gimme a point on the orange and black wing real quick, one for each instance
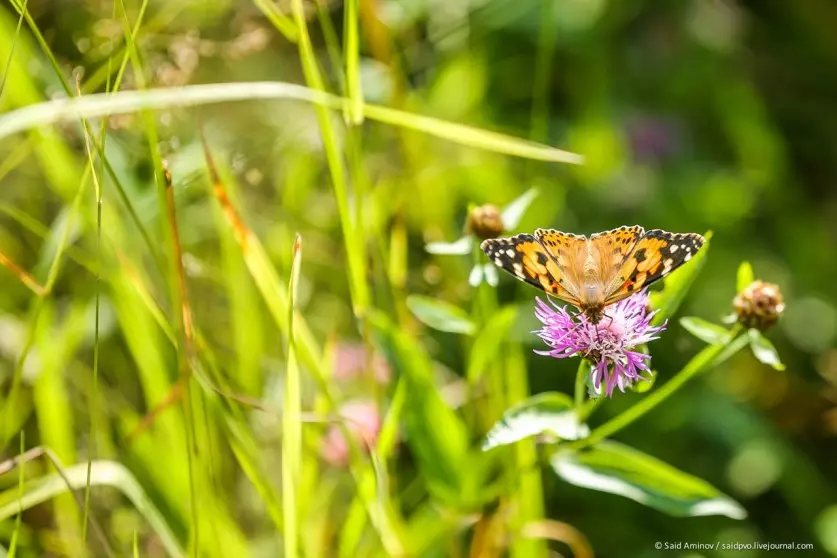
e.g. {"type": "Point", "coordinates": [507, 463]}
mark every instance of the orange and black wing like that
{"type": "Point", "coordinates": [527, 259]}
{"type": "Point", "coordinates": [610, 250]}
{"type": "Point", "coordinates": [654, 256]}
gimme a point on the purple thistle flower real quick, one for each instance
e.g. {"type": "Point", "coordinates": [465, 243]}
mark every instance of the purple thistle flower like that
{"type": "Point", "coordinates": [608, 344]}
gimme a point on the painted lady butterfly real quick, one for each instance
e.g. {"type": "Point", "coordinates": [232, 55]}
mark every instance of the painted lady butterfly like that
{"type": "Point", "coordinates": [592, 273]}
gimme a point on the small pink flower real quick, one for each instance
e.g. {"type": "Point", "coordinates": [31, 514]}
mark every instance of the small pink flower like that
{"type": "Point", "coordinates": [608, 344]}
{"type": "Point", "coordinates": [362, 420]}
{"type": "Point", "coordinates": [350, 360]}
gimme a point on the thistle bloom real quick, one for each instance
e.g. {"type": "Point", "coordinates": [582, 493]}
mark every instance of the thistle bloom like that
{"type": "Point", "coordinates": [608, 345]}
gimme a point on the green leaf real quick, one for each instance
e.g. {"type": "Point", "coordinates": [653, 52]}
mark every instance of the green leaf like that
{"type": "Point", "coordinates": [513, 212]}
{"type": "Point", "coordinates": [619, 469]}
{"type": "Point", "coordinates": [435, 434]}
{"type": "Point", "coordinates": [764, 350]}
{"type": "Point", "coordinates": [440, 315]}
{"type": "Point", "coordinates": [488, 342]}
{"type": "Point", "coordinates": [736, 345]}
{"type": "Point", "coordinates": [745, 276]}
{"type": "Point", "coordinates": [459, 247]}
{"type": "Point", "coordinates": [677, 284]}
{"type": "Point", "coordinates": [545, 413]}
{"type": "Point", "coordinates": [705, 331]}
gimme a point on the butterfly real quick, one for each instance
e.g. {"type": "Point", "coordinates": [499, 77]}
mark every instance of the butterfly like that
{"type": "Point", "coordinates": [593, 273]}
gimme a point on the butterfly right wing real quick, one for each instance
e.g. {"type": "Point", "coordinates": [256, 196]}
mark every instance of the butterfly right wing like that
{"type": "Point", "coordinates": [527, 259]}
{"type": "Point", "coordinates": [653, 257]}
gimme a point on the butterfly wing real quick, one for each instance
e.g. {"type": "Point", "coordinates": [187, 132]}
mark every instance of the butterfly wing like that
{"type": "Point", "coordinates": [653, 257]}
{"type": "Point", "coordinates": [570, 254]}
{"type": "Point", "coordinates": [527, 259]}
{"type": "Point", "coordinates": [610, 250]}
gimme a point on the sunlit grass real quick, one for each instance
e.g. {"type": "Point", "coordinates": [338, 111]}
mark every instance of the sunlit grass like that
{"type": "Point", "coordinates": [180, 359]}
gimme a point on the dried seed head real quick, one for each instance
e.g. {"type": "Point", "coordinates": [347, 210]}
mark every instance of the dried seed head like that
{"type": "Point", "coordinates": [485, 222]}
{"type": "Point", "coordinates": [759, 305]}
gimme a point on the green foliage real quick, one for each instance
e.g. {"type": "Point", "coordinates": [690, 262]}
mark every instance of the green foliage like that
{"type": "Point", "coordinates": [158, 338]}
{"type": "Point", "coordinates": [547, 413]}
{"type": "Point", "coordinates": [619, 469]}
{"type": "Point", "coordinates": [744, 277]}
{"type": "Point", "coordinates": [764, 350]}
{"type": "Point", "coordinates": [440, 315]}
{"type": "Point", "coordinates": [705, 331]}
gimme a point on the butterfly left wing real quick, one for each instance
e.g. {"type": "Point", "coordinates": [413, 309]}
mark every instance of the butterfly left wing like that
{"type": "Point", "coordinates": [654, 256]}
{"type": "Point", "coordinates": [610, 250]}
{"type": "Point", "coordinates": [527, 259]}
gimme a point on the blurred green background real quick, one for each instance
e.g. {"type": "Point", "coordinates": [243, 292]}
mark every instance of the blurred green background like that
{"type": "Point", "coordinates": [692, 116]}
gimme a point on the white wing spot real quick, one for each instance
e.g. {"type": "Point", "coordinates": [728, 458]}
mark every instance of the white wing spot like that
{"type": "Point", "coordinates": [518, 269]}
{"type": "Point", "coordinates": [510, 253]}
{"type": "Point", "coordinates": [673, 248]}
{"type": "Point", "coordinates": [498, 261]}
{"type": "Point", "coordinates": [688, 257]}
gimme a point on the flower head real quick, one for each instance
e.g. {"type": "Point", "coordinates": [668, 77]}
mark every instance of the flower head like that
{"type": "Point", "coordinates": [608, 345]}
{"type": "Point", "coordinates": [485, 221]}
{"type": "Point", "coordinates": [759, 305]}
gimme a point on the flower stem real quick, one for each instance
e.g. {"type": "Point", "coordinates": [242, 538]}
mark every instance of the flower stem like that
{"type": "Point", "coordinates": [698, 364]}
{"type": "Point", "coordinates": [589, 406]}
{"type": "Point", "coordinates": [580, 383]}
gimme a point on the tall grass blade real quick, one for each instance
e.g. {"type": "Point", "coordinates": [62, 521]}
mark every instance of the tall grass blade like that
{"type": "Point", "coordinates": [12, 48]}
{"type": "Point", "coordinates": [354, 109]}
{"type": "Point", "coordinates": [92, 106]}
{"type": "Point", "coordinates": [105, 473]}
{"type": "Point", "coordinates": [291, 425]}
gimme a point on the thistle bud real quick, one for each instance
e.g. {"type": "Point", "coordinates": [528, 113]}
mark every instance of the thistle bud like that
{"type": "Point", "coordinates": [759, 305]}
{"type": "Point", "coordinates": [485, 222]}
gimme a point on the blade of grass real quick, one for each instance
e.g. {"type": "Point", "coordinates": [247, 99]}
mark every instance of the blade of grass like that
{"type": "Point", "coordinates": [528, 496]}
{"type": "Point", "coordinates": [57, 343]}
{"type": "Point", "coordinates": [105, 473]}
{"type": "Point", "coordinates": [280, 21]}
{"type": "Point", "coordinates": [267, 279]}
{"type": "Point", "coordinates": [40, 230]}
{"type": "Point", "coordinates": [355, 248]}
{"type": "Point", "coordinates": [544, 60]}
{"type": "Point", "coordinates": [23, 276]}
{"type": "Point", "coordinates": [12, 48]}
{"type": "Point", "coordinates": [19, 515]}
{"type": "Point", "coordinates": [52, 275]}
{"type": "Point", "coordinates": [332, 43]}
{"type": "Point", "coordinates": [94, 385]}
{"type": "Point", "coordinates": [98, 105]}
{"type": "Point", "coordinates": [177, 283]}
{"type": "Point", "coordinates": [65, 84]}
{"type": "Point", "coordinates": [291, 426]}
{"type": "Point", "coordinates": [42, 452]}
{"type": "Point", "coordinates": [354, 108]}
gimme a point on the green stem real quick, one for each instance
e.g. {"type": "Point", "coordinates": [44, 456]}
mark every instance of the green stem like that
{"type": "Point", "coordinates": [580, 384]}
{"type": "Point", "coordinates": [698, 364]}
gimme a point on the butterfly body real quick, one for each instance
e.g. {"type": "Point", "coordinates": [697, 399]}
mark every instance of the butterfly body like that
{"type": "Point", "coordinates": [592, 273]}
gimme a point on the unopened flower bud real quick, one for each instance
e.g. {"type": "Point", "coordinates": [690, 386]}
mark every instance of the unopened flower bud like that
{"type": "Point", "coordinates": [485, 222]}
{"type": "Point", "coordinates": [759, 305]}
